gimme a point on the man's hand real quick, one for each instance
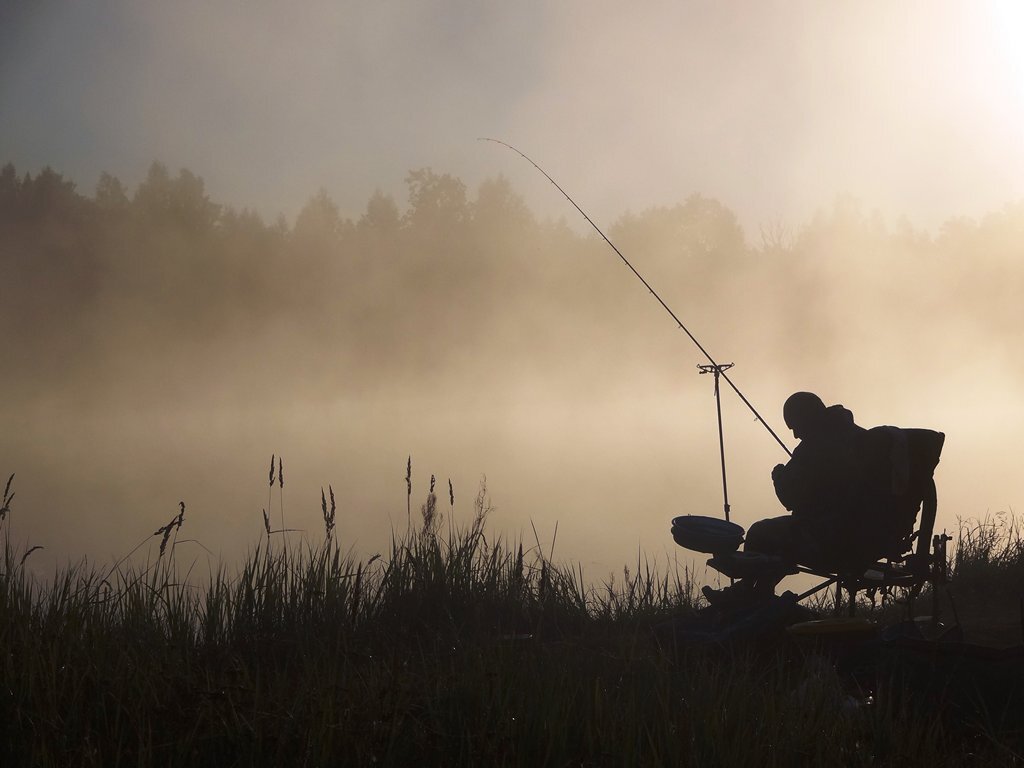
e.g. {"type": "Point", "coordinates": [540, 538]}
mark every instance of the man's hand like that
{"type": "Point", "coordinates": [779, 469]}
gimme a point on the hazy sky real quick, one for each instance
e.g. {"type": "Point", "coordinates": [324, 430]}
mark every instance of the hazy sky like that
{"type": "Point", "coordinates": [916, 108]}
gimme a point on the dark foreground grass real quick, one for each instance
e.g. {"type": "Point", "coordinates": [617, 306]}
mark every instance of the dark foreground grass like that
{"type": "Point", "coordinates": [454, 649]}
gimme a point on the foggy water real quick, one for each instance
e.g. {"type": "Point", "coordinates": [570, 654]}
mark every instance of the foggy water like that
{"type": "Point", "coordinates": [609, 471]}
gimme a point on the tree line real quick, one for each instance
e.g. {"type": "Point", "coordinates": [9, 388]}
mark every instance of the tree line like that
{"type": "Point", "coordinates": [162, 272]}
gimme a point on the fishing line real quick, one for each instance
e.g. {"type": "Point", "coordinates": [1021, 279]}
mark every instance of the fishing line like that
{"type": "Point", "coordinates": [654, 293]}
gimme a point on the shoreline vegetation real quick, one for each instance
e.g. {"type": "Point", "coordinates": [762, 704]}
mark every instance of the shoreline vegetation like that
{"type": "Point", "coordinates": [460, 647]}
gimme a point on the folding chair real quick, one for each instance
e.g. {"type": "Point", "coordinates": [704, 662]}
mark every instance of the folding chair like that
{"type": "Point", "coordinates": [913, 558]}
{"type": "Point", "coordinates": [908, 559]}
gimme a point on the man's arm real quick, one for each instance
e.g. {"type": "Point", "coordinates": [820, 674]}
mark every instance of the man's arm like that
{"type": "Point", "coordinates": [785, 490]}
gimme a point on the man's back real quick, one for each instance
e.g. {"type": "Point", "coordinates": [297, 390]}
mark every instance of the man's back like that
{"type": "Point", "coordinates": [825, 468]}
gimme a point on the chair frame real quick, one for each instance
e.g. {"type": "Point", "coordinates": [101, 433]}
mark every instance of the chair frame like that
{"type": "Point", "coordinates": [886, 576]}
{"type": "Point", "coordinates": [925, 564]}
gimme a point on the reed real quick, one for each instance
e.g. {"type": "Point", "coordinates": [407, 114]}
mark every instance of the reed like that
{"type": "Point", "coordinates": [992, 546]}
{"type": "Point", "coordinates": [456, 647]}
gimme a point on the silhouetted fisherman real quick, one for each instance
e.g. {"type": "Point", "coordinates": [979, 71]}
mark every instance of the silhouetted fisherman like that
{"type": "Point", "coordinates": [837, 486]}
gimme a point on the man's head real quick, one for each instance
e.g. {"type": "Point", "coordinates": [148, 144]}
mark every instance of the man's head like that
{"type": "Point", "coordinates": [803, 411]}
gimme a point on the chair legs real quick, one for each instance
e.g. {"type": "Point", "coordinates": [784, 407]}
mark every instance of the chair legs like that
{"type": "Point", "coordinates": [851, 596]}
{"type": "Point", "coordinates": [851, 607]}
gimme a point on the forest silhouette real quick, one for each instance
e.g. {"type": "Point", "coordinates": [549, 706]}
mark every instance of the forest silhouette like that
{"type": "Point", "coordinates": [136, 286]}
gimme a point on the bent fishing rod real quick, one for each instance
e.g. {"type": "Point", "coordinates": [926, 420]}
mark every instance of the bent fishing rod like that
{"type": "Point", "coordinates": [719, 369]}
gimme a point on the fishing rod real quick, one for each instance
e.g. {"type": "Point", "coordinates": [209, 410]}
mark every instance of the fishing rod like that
{"type": "Point", "coordinates": [718, 368]}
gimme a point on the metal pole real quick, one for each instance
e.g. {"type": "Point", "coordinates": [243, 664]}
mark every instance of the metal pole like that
{"type": "Point", "coordinates": [717, 370]}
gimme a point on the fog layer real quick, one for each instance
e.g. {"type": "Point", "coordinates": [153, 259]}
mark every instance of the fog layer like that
{"type": "Point", "coordinates": [159, 346]}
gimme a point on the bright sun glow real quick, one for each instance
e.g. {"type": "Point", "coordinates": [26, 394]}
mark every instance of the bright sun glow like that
{"type": "Point", "coordinates": [1006, 18]}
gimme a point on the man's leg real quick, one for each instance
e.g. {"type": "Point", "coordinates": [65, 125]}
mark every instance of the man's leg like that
{"type": "Point", "coordinates": [775, 536]}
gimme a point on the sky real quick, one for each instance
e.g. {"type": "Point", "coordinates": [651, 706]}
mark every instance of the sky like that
{"type": "Point", "coordinates": [774, 108]}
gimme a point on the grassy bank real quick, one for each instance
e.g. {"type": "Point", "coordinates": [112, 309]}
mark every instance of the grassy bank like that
{"type": "Point", "coordinates": [454, 648]}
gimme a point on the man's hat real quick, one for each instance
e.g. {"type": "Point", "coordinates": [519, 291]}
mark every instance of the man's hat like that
{"type": "Point", "coordinates": [802, 409]}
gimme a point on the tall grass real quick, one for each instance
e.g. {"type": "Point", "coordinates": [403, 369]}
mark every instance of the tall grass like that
{"type": "Point", "coordinates": [455, 647]}
{"type": "Point", "coordinates": [990, 553]}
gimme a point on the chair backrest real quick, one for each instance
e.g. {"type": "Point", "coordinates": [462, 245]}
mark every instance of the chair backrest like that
{"type": "Point", "coordinates": [912, 459]}
{"type": "Point", "coordinates": [924, 447]}
{"type": "Point", "coordinates": [900, 473]}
